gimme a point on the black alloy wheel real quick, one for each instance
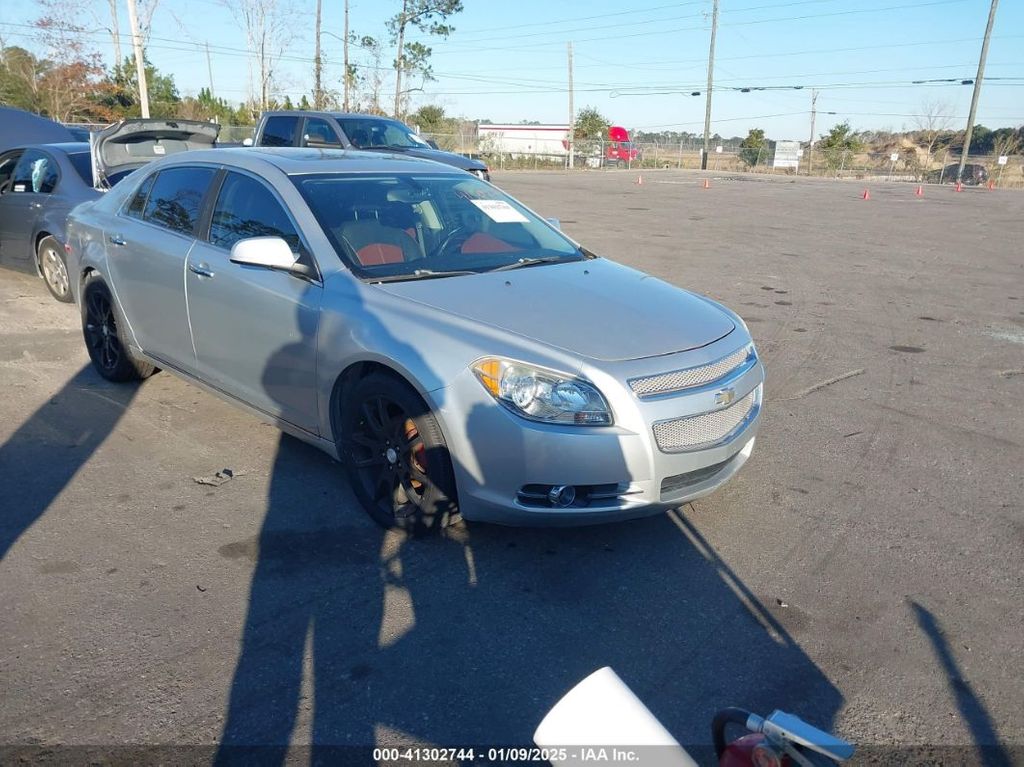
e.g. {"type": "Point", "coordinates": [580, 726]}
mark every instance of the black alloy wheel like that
{"type": "Point", "coordinates": [397, 458]}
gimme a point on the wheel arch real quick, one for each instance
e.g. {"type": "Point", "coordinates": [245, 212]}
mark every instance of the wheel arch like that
{"type": "Point", "coordinates": [37, 240]}
{"type": "Point", "coordinates": [360, 369]}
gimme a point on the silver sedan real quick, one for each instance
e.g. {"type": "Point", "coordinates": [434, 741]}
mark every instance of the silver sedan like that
{"type": "Point", "coordinates": [455, 351]}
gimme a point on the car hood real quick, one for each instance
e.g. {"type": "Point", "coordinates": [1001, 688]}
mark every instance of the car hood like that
{"type": "Point", "coordinates": [596, 309]}
{"type": "Point", "coordinates": [448, 158]}
{"type": "Point", "coordinates": [132, 143]}
{"type": "Point", "coordinates": [18, 128]}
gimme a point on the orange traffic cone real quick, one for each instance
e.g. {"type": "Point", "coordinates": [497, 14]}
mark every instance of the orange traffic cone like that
{"type": "Point", "coordinates": [991, 185]}
{"type": "Point", "coordinates": [707, 184]}
{"type": "Point", "coordinates": [640, 180]}
{"type": "Point", "coordinates": [919, 191]}
{"type": "Point", "coordinates": [866, 195]}
{"type": "Point", "coordinates": [959, 187]}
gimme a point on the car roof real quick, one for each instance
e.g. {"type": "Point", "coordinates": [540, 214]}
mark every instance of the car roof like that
{"type": "Point", "coordinates": [67, 147]}
{"type": "Point", "coordinates": [336, 115]}
{"type": "Point", "coordinates": [296, 161]}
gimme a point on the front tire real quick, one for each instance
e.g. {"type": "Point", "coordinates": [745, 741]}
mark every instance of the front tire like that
{"type": "Point", "coordinates": [54, 269]}
{"type": "Point", "coordinates": [396, 456]}
{"type": "Point", "coordinates": [105, 336]}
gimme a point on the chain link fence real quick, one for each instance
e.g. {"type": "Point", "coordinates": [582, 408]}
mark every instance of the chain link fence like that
{"type": "Point", "coordinates": [601, 154]}
{"type": "Point", "coordinates": [824, 163]}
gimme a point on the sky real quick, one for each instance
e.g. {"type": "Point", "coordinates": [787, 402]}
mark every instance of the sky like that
{"type": "Point", "coordinates": [636, 62]}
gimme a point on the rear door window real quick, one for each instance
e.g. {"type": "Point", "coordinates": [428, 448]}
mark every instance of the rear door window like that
{"type": "Point", "coordinates": [176, 198]}
{"type": "Point", "coordinates": [137, 205]}
{"type": "Point", "coordinates": [320, 134]}
{"type": "Point", "coordinates": [246, 208]}
{"type": "Point", "coordinates": [280, 131]}
{"type": "Point", "coordinates": [36, 172]}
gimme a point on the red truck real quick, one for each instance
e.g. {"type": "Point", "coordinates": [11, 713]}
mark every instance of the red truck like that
{"type": "Point", "coordinates": [619, 150]}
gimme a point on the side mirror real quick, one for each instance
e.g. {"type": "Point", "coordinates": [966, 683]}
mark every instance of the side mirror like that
{"type": "Point", "coordinates": [555, 223]}
{"type": "Point", "coordinates": [269, 252]}
{"type": "Point", "coordinates": [602, 711]}
{"type": "Point", "coordinates": [247, 141]}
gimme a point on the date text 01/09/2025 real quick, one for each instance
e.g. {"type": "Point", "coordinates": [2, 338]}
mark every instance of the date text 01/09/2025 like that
{"type": "Point", "coordinates": [502, 754]}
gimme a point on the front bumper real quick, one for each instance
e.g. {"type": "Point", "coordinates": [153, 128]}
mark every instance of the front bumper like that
{"type": "Point", "coordinates": [620, 471]}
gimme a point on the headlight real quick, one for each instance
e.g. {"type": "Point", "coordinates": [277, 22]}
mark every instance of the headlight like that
{"type": "Point", "coordinates": [543, 395]}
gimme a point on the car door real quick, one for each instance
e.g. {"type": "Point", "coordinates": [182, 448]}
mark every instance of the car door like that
{"type": "Point", "coordinates": [26, 193]}
{"type": "Point", "coordinates": [146, 252]}
{"type": "Point", "coordinates": [254, 328]}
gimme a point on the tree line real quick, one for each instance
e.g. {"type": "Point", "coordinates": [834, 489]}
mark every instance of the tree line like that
{"type": "Point", "coordinates": [65, 78]}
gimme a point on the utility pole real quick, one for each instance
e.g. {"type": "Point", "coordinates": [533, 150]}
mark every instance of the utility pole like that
{"type": "Point", "coordinates": [209, 67]}
{"type": "Point", "coordinates": [140, 65]}
{"type": "Point", "coordinates": [572, 114]}
{"type": "Point", "coordinates": [977, 92]}
{"type": "Point", "coordinates": [115, 33]}
{"type": "Point", "coordinates": [400, 58]}
{"type": "Point", "coordinates": [810, 144]}
{"type": "Point", "coordinates": [318, 64]}
{"type": "Point", "coordinates": [345, 47]}
{"type": "Point", "coordinates": [711, 78]}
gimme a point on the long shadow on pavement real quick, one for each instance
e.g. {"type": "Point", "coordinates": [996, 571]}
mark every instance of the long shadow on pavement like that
{"type": "Point", "coordinates": [39, 460]}
{"type": "Point", "coordinates": [471, 637]}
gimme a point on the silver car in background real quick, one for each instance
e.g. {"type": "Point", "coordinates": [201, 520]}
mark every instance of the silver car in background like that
{"type": "Point", "coordinates": [455, 351]}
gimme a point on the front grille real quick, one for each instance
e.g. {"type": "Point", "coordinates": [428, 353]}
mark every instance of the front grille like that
{"type": "Point", "coordinates": [689, 378]}
{"type": "Point", "coordinates": [672, 484]}
{"type": "Point", "coordinates": [698, 431]}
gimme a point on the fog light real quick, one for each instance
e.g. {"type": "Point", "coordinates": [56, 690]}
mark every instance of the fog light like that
{"type": "Point", "coordinates": [562, 495]}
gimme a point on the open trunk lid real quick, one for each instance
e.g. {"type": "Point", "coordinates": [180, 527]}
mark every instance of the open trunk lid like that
{"type": "Point", "coordinates": [130, 144]}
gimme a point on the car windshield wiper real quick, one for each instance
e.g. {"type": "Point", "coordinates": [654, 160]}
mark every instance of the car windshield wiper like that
{"type": "Point", "coordinates": [527, 262]}
{"type": "Point", "coordinates": [421, 274]}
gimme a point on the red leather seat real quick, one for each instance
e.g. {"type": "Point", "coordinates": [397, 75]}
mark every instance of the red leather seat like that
{"type": "Point", "coordinates": [375, 244]}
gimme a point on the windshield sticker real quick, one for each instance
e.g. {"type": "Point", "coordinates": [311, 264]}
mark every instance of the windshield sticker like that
{"type": "Point", "coordinates": [500, 211]}
{"type": "Point", "coordinates": [157, 149]}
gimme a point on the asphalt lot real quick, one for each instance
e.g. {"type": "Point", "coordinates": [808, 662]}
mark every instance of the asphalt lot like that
{"type": "Point", "coordinates": [863, 570]}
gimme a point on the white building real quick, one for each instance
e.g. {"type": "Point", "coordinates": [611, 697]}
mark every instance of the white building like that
{"type": "Point", "coordinates": [524, 139]}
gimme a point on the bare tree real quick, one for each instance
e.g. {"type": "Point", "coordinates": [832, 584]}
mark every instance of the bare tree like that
{"type": "Point", "coordinates": [71, 79]}
{"type": "Point", "coordinates": [429, 17]}
{"type": "Point", "coordinates": [934, 119]}
{"type": "Point", "coordinates": [268, 26]}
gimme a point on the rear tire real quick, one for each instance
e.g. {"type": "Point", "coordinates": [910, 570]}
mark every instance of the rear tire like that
{"type": "Point", "coordinates": [396, 456]}
{"type": "Point", "coordinates": [105, 336]}
{"type": "Point", "coordinates": [54, 269]}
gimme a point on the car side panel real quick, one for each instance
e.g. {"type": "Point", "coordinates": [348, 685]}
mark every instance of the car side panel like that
{"type": "Point", "coordinates": [255, 333]}
{"type": "Point", "coordinates": [147, 274]}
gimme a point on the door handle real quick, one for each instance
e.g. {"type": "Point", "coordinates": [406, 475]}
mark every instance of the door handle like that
{"type": "Point", "coordinates": [203, 270]}
{"type": "Point", "coordinates": [116, 239]}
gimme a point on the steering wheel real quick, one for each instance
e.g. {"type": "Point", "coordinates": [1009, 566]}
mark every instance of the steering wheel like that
{"type": "Point", "coordinates": [457, 236]}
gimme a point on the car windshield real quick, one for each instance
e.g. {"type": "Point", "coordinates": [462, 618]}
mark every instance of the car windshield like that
{"type": "Point", "coordinates": [378, 133]}
{"type": "Point", "coordinates": [393, 227]}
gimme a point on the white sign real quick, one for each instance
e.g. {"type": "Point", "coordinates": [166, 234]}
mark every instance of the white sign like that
{"type": "Point", "coordinates": [1003, 159]}
{"type": "Point", "coordinates": [718, 149]}
{"type": "Point", "coordinates": [500, 211]}
{"type": "Point", "coordinates": [894, 157]}
{"type": "Point", "coordinates": [799, 152]}
{"type": "Point", "coordinates": [786, 154]}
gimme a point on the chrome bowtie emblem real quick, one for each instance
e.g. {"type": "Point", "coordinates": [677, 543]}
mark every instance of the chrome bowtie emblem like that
{"type": "Point", "coordinates": [725, 397]}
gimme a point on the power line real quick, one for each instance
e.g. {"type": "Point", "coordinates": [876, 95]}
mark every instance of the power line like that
{"type": "Point", "coordinates": [454, 48]}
